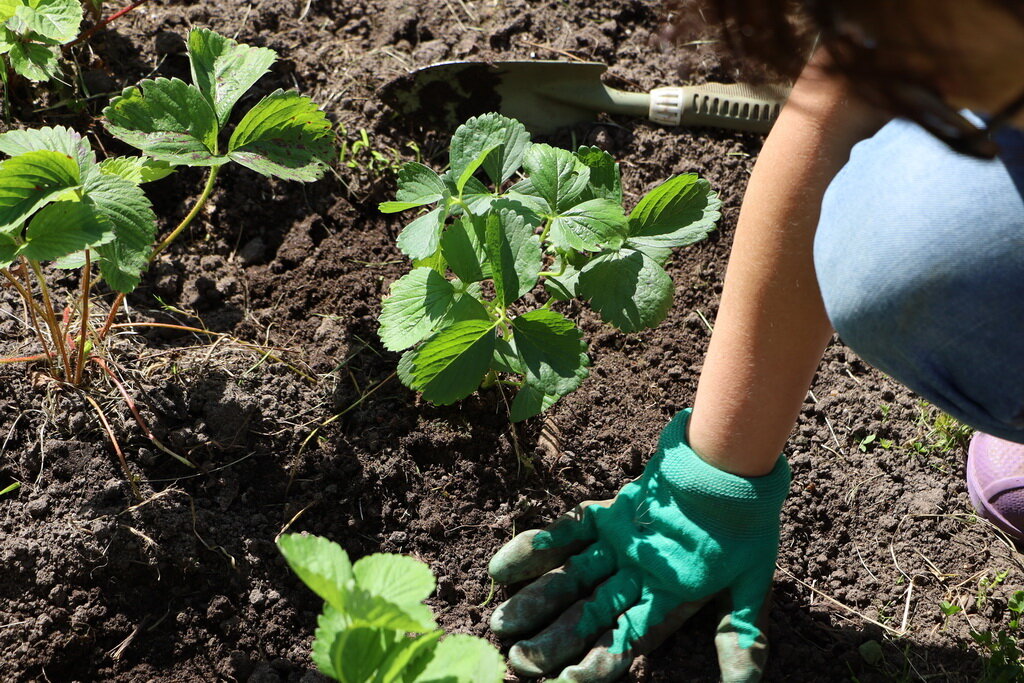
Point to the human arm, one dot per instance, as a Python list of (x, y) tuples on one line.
[(771, 327), (622, 575)]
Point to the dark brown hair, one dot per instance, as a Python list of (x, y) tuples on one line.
[(880, 45)]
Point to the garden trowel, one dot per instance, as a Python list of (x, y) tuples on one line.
[(548, 95)]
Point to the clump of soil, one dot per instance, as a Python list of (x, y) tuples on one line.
[(296, 421)]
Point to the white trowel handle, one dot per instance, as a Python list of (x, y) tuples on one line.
[(751, 108)]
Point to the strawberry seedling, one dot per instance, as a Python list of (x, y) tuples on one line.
[(58, 204), (31, 32), (285, 135), (370, 608), (543, 214)]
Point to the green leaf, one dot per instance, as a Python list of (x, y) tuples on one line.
[(8, 250), (363, 608), (506, 358), (359, 653), (628, 288), (680, 211), (466, 307), (451, 364), (565, 286), (167, 119), (556, 176), (408, 660), (552, 355), (463, 248), (417, 304), (321, 564), (34, 61), (461, 658), (472, 168), (659, 255), (421, 238), (605, 177), (417, 186), (55, 139), (329, 626), (63, 228), (224, 70), (125, 205), (589, 226), (71, 261), (530, 400), (506, 137), (477, 196), (396, 578), (286, 136), (551, 350), (513, 250), (30, 180), (8, 39), (136, 170), (57, 20)]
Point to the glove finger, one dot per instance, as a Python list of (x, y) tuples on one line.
[(540, 602), (742, 664), (567, 637), (537, 551), (638, 631)]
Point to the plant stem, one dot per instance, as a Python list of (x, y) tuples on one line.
[(546, 230), (110, 317), (51, 318), (116, 15), (207, 190), (86, 285), (30, 307), (24, 359)]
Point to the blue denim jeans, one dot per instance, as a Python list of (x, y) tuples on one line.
[(920, 258)]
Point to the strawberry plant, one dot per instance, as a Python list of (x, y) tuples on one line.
[(31, 32), (284, 135), (370, 608), (58, 204), (506, 215)]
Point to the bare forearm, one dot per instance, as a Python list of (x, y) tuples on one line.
[(771, 327)]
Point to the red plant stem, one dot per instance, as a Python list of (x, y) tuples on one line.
[(114, 307), (86, 283), (116, 15), (24, 359)]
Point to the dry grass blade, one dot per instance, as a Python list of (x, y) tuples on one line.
[(117, 446)]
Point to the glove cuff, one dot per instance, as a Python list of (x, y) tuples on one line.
[(725, 504)]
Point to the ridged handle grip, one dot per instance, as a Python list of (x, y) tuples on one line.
[(752, 108)]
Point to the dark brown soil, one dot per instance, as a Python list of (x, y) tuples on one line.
[(184, 582)]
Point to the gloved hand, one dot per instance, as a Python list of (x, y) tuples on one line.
[(623, 574)]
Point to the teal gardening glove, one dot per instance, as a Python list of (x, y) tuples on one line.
[(682, 534)]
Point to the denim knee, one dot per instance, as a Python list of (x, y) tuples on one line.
[(919, 254)]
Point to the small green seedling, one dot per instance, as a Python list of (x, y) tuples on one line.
[(545, 214), (375, 627), (1005, 662), (59, 205), (360, 154), (31, 32), (284, 135)]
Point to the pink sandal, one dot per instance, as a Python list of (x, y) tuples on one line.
[(995, 481)]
